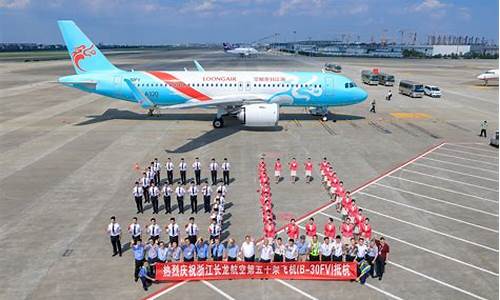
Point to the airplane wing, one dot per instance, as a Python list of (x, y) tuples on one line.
[(139, 96), (237, 101)]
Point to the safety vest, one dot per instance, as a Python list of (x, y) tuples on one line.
[(314, 249)]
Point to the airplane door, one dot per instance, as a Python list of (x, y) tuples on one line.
[(328, 90), (240, 86)]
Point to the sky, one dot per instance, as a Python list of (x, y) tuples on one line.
[(172, 22)]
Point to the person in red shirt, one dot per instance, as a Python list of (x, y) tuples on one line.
[(269, 230), (352, 209), (347, 230), (323, 166), (382, 258), (292, 230), (262, 164), (330, 229), (309, 168), (310, 229), (366, 229), (277, 170), (293, 170)]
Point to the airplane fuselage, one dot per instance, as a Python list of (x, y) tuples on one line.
[(165, 88)]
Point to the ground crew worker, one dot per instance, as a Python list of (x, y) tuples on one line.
[(173, 231), (145, 186), (143, 275), (157, 169), (138, 194), (213, 170), (232, 251), (292, 230), (310, 228), (176, 252), (302, 247), (163, 252), (371, 256), (154, 230), (372, 110), (114, 230), (180, 192), (188, 251), (182, 171), (279, 250), (314, 249), (309, 168), (291, 251), (389, 96), (338, 249), (484, 126), (201, 250), (293, 170), (135, 230), (154, 193), (382, 257), (169, 166), (138, 249), (363, 271), (326, 249), (214, 230), (197, 171), (151, 249), (167, 197), (206, 191), (192, 231), (193, 196), (330, 229), (226, 167), (277, 170), (247, 249), (217, 250), (266, 252)]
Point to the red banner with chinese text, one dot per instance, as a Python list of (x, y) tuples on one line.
[(220, 270)]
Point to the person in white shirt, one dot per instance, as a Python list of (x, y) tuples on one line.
[(213, 171), (169, 167), (266, 252), (193, 196), (197, 171), (156, 169), (183, 170), (326, 249), (192, 231), (338, 249), (138, 194), (173, 231), (247, 249), (167, 197), (154, 230), (114, 231), (151, 174), (206, 191), (135, 230), (279, 250), (144, 181), (214, 230), (226, 167), (180, 192), (154, 193), (362, 250), (222, 189), (291, 251)]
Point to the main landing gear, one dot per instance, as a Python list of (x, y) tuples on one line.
[(218, 123)]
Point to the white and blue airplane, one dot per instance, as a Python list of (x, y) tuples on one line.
[(253, 97)]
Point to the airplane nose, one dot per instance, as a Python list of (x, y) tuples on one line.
[(360, 95)]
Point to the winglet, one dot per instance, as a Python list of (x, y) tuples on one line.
[(139, 96), (198, 66)]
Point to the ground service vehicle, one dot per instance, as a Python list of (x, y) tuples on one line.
[(411, 88), (369, 77)]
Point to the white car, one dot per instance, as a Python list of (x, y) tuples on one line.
[(432, 91)]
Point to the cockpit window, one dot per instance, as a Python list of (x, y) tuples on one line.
[(349, 85)]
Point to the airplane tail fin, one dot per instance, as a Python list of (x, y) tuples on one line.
[(227, 46), (85, 56)]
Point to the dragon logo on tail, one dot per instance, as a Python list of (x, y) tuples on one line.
[(81, 52)]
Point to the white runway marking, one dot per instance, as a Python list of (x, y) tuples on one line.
[(156, 296), (308, 296), (221, 292), (452, 171), (460, 165), (383, 292), (432, 230), (469, 153), (473, 148), (444, 189), (450, 180), (437, 200), (430, 212), (425, 249), (468, 159)]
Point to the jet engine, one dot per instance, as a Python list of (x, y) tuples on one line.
[(259, 115)]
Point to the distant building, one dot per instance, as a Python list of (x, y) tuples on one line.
[(450, 49)]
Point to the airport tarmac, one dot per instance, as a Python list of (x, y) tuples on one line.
[(427, 181)]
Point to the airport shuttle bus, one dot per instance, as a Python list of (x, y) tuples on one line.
[(411, 89), (386, 79), (368, 77)]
